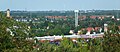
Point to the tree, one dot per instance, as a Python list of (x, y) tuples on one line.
[(111, 42), (13, 35)]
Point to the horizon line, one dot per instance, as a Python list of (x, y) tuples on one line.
[(56, 9)]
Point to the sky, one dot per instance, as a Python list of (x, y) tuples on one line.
[(39, 5)]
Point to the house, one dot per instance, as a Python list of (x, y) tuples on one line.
[(82, 17), (89, 29), (97, 28), (93, 17), (71, 31), (119, 27), (56, 17)]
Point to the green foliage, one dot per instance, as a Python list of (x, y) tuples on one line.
[(13, 36), (17, 43), (96, 45), (66, 45), (111, 42)]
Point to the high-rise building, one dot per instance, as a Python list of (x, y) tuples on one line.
[(8, 13), (76, 17)]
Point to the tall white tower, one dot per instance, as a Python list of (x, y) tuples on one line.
[(8, 12), (76, 17), (105, 27)]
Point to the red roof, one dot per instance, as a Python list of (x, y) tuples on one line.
[(93, 17), (64, 17), (97, 28), (82, 17), (89, 29)]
